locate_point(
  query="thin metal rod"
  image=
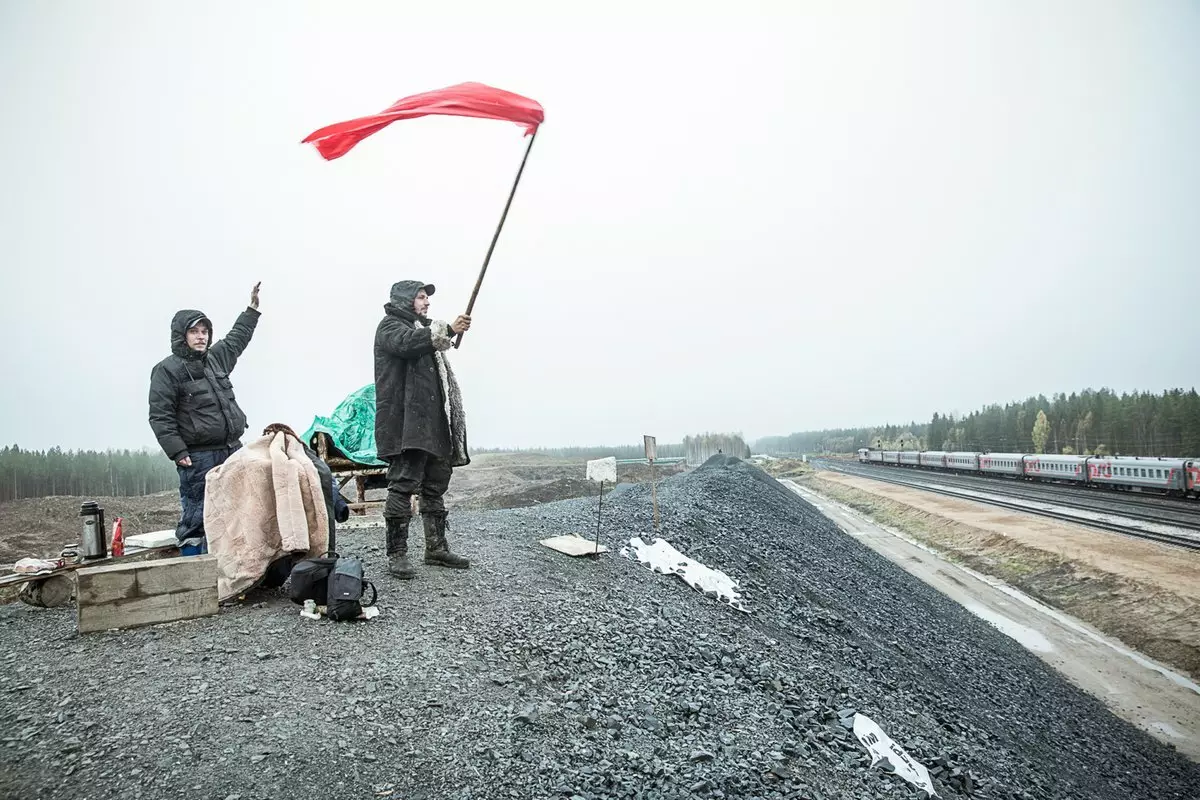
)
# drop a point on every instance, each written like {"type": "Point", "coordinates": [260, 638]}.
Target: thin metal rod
{"type": "Point", "coordinates": [487, 259]}
{"type": "Point", "coordinates": [599, 508]}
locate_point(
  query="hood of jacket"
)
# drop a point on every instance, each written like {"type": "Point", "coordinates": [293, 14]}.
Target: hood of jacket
{"type": "Point", "coordinates": [179, 325]}
{"type": "Point", "coordinates": [400, 301]}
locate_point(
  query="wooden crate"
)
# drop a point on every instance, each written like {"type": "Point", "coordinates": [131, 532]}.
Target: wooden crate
{"type": "Point", "coordinates": [145, 593]}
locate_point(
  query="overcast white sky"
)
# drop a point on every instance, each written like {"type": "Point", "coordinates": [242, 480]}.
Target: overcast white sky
{"type": "Point", "coordinates": [765, 221]}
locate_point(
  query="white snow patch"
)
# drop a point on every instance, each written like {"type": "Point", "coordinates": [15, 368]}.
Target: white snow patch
{"type": "Point", "coordinates": [662, 557]}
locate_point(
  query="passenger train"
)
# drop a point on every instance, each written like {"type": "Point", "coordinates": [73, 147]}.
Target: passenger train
{"type": "Point", "coordinates": [1178, 477]}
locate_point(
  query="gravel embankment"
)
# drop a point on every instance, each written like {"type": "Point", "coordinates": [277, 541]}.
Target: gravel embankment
{"type": "Point", "coordinates": [536, 675]}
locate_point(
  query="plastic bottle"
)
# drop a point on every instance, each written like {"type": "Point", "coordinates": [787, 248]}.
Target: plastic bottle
{"type": "Point", "coordinates": [118, 539]}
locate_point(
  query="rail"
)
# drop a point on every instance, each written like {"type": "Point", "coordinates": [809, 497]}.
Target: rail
{"type": "Point", "coordinates": [1175, 540]}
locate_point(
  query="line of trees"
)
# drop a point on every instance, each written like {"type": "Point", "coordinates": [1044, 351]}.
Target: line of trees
{"type": "Point", "coordinates": [841, 440]}
{"type": "Point", "coordinates": [697, 449]}
{"type": "Point", "coordinates": [123, 473]}
{"type": "Point", "coordinates": [588, 453]}
{"type": "Point", "coordinates": [111, 473]}
{"type": "Point", "coordinates": [1091, 422]}
{"type": "Point", "coordinates": [704, 446]}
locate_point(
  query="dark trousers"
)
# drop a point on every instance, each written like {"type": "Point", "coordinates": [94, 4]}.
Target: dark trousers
{"type": "Point", "coordinates": [415, 470]}
{"type": "Point", "coordinates": [191, 494]}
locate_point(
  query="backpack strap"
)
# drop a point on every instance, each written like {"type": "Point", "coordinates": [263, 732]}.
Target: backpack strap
{"type": "Point", "coordinates": [374, 594]}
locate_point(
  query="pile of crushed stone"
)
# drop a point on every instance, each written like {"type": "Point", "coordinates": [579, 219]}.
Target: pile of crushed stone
{"type": "Point", "coordinates": [537, 675]}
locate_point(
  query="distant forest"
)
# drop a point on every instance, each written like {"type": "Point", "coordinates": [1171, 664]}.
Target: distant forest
{"type": "Point", "coordinates": [122, 473]}
{"type": "Point", "coordinates": [696, 449]}
{"type": "Point", "coordinates": [113, 473]}
{"type": "Point", "coordinates": [1091, 422]}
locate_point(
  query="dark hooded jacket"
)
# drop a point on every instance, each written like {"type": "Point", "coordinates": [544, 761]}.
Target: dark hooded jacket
{"type": "Point", "coordinates": [414, 400]}
{"type": "Point", "coordinates": [192, 404]}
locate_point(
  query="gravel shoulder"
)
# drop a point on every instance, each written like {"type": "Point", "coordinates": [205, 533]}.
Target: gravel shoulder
{"type": "Point", "coordinates": [1143, 593]}
{"type": "Point", "coordinates": [1158, 701]}
{"type": "Point", "coordinates": [536, 675]}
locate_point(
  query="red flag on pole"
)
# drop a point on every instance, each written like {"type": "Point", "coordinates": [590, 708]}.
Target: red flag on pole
{"type": "Point", "coordinates": [461, 100]}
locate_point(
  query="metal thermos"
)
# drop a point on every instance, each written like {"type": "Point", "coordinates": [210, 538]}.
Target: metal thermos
{"type": "Point", "coordinates": [95, 542]}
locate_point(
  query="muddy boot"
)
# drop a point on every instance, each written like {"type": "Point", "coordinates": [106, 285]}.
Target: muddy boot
{"type": "Point", "coordinates": [437, 552]}
{"type": "Point", "coordinates": [397, 548]}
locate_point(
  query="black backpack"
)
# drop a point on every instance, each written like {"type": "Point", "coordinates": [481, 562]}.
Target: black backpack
{"type": "Point", "coordinates": [346, 586]}
{"type": "Point", "coordinates": [310, 579]}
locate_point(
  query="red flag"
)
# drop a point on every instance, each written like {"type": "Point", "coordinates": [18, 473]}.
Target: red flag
{"type": "Point", "coordinates": [462, 100]}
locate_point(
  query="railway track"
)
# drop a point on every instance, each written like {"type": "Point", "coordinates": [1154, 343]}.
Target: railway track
{"type": "Point", "coordinates": [1029, 503]}
{"type": "Point", "coordinates": [1071, 492]}
{"type": "Point", "coordinates": [1162, 511]}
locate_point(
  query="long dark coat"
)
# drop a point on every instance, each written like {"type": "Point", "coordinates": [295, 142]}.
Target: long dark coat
{"type": "Point", "coordinates": [417, 402]}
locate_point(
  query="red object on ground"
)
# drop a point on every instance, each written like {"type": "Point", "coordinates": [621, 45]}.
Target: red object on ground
{"type": "Point", "coordinates": [118, 539]}
{"type": "Point", "coordinates": [460, 100]}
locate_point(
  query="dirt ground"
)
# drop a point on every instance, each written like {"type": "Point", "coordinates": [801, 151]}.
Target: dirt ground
{"type": "Point", "coordinates": [1145, 594]}
{"type": "Point", "coordinates": [41, 527]}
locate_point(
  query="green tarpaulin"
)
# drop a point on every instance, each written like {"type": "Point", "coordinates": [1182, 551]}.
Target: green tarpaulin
{"type": "Point", "coordinates": [351, 426]}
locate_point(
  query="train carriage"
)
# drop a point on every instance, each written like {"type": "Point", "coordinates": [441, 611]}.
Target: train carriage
{"type": "Point", "coordinates": [933, 458]}
{"type": "Point", "coordinates": [963, 462]}
{"type": "Point", "coordinates": [1174, 476]}
{"type": "Point", "coordinates": [1001, 463]}
{"type": "Point", "coordinates": [1146, 474]}
{"type": "Point", "coordinates": [1049, 467]}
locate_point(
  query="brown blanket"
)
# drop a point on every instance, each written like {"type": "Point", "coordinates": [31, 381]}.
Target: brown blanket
{"type": "Point", "coordinates": [262, 503]}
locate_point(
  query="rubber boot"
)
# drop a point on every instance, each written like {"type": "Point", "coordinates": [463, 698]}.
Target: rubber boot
{"type": "Point", "coordinates": [437, 551]}
{"type": "Point", "coordinates": [397, 548]}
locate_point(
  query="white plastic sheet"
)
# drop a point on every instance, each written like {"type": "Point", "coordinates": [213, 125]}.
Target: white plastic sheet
{"type": "Point", "coordinates": [662, 557]}
{"type": "Point", "coordinates": [881, 747]}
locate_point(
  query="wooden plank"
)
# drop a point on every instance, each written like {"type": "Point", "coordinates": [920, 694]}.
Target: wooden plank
{"type": "Point", "coordinates": [96, 586]}
{"type": "Point", "coordinates": [176, 575]}
{"type": "Point", "coordinates": [141, 611]}
{"type": "Point", "coordinates": [112, 582]}
{"type": "Point", "coordinates": [141, 555]}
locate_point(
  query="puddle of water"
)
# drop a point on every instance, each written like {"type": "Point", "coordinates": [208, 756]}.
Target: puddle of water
{"type": "Point", "coordinates": [1025, 635]}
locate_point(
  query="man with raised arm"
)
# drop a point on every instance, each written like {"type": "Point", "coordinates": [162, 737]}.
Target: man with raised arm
{"type": "Point", "coordinates": [193, 411]}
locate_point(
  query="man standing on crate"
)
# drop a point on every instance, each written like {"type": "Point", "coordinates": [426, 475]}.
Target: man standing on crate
{"type": "Point", "coordinates": [420, 426]}
{"type": "Point", "coordinates": [193, 411]}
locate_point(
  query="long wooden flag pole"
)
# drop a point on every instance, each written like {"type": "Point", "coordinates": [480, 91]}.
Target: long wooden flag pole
{"type": "Point", "coordinates": [496, 235]}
